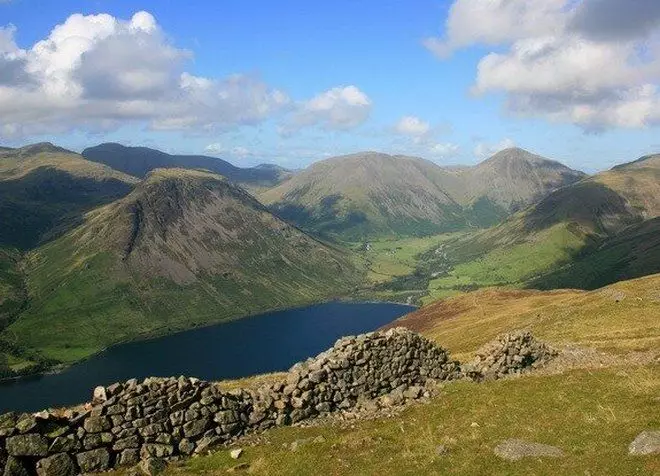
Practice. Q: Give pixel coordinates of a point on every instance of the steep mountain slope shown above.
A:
(185, 248)
(139, 161)
(515, 178)
(43, 186)
(607, 219)
(369, 194)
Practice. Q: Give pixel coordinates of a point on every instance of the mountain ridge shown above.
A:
(370, 193)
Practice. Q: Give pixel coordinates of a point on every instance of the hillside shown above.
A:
(43, 187)
(185, 248)
(370, 195)
(605, 219)
(514, 178)
(592, 401)
(139, 161)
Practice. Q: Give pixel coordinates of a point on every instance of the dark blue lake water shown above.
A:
(265, 343)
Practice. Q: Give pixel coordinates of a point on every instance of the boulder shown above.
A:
(646, 443)
(15, 467)
(514, 449)
(60, 464)
(94, 460)
(30, 444)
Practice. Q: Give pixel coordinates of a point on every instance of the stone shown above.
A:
(94, 460)
(128, 457)
(514, 449)
(441, 450)
(99, 395)
(60, 464)
(63, 444)
(195, 428)
(15, 467)
(235, 454)
(646, 443)
(96, 424)
(26, 423)
(30, 444)
(126, 443)
(156, 450)
(153, 466)
(206, 443)
(186, 446)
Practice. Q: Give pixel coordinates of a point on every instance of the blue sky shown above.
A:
(325, 78)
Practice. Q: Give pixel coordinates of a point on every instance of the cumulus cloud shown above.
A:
(339, 108)
(594, 63)
(422, 137)
(484, 150)
(97, 71)
(413, 127)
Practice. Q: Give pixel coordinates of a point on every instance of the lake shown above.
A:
(265, 343)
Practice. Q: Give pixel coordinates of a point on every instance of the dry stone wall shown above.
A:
(167, 418)
(161, 419)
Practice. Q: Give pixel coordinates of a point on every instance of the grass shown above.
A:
(592, 416)
(620, 318)
(513, 265)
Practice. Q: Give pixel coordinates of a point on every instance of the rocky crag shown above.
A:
(162, 419)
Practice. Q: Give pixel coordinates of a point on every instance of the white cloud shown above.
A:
(339, 108)
(97, 71)
(421, 138)
(594, 63)
(444, 150)
(237, 152)
(484, 150)
(412, 126)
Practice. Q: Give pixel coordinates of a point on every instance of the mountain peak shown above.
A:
(43, 147)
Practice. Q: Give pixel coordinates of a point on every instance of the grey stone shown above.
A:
(128, 457)
(94, 460)
(514, 449)
(30, 444)
(153, 466)
(646, 443)
(97, 424)
(60, 464)
(15, 467)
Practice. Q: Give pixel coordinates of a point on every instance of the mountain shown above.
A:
(370, 194)
(43, 187)
(587, 234)
(515, 178)
(139, 161)
(184, 248)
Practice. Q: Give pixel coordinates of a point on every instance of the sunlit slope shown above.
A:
(368, 195)
(185, 248)
(621, 317)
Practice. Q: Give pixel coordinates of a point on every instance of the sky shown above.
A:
(292, 82)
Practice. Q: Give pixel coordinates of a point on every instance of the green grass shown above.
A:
(591, 415)
(513, 265)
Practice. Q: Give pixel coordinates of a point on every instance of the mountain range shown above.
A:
(91, 255)
(139, 161)
(367, 195)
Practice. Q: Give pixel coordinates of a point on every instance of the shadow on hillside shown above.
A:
(47, 202)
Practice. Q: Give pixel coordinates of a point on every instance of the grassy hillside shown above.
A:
(591, 403)
(139, 161)
(184, 249)
(371, 195)
(44, 187)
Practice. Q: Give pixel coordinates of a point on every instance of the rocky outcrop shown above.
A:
(161, 419)
(509, 354)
